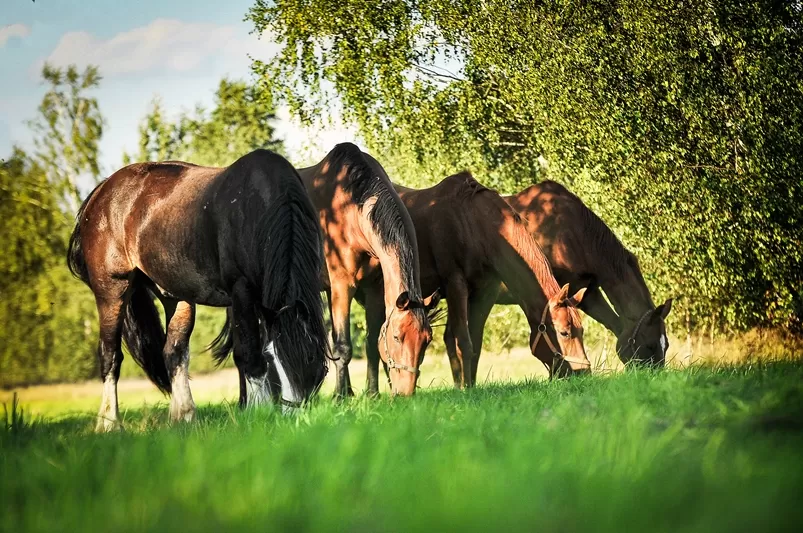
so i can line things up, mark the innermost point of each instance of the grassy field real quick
(700, 449)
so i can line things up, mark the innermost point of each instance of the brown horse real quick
(365, 226)
(584, 251)
(470, 240)
(245, 236)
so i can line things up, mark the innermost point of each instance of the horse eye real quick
(564, 334)
(397, 339)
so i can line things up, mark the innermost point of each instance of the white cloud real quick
(164, 44)
(13, 30)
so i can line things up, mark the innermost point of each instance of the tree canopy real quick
(680, 123)
(240, 122)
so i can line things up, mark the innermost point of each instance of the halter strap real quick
(632, 340)
(290, 403)
(383, 333)
(555, 351)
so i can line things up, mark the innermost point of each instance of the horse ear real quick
(431, 301)
(563, 294)
(403, 301)
(663, 309)
(578, 297)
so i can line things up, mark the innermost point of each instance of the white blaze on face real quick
(664, 343)
(288, 391)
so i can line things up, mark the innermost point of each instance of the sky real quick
(176, 49)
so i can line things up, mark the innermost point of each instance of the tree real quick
(680, 124)
(44, 312)
(68, 130)
(240, 122)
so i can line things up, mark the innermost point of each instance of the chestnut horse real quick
(245, 236)
(470, 240)
(584, 251)
(365, 225)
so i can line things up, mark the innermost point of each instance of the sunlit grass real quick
(700, 449)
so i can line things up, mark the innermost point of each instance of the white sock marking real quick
(109, 412)
(182, 406)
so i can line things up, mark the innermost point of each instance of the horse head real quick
(404, 338)
(644, 342)
(561, 328)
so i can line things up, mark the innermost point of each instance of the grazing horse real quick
(470, 240)
(244, 237)
(583, 250)
(365, 226)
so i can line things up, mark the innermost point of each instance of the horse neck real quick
(629, 294)
(397, 277)
(524, 269)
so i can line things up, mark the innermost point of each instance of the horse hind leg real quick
(110, 354)
(180, 317)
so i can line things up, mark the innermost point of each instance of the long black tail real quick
(144, 336)
(223, 344)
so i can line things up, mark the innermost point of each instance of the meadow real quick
(713, 447)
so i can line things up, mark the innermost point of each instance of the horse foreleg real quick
(451, 351)
(340, 296)
(110, 355)
(247, 347)
(374, 318)
(180, 317)
(457, 300)
(479, 307)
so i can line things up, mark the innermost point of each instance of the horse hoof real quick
(105, 425)
(179, 415)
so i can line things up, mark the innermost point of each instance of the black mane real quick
(388, 214)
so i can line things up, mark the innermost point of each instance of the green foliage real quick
(47, 333)
(240, 122)
(699, 450)
(49, 326)
(680, 124)
(68, 129)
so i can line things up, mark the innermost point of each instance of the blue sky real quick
(178, 49)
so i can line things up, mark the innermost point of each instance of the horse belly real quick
(182, 280)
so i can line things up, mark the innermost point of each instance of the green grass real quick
(695, 450)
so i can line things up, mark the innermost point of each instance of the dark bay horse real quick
(365, 226)
(470, 240)
(584, 251)
(245, 236)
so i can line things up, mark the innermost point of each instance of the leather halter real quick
(632, 340)
(383, 333)
(555, 351)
